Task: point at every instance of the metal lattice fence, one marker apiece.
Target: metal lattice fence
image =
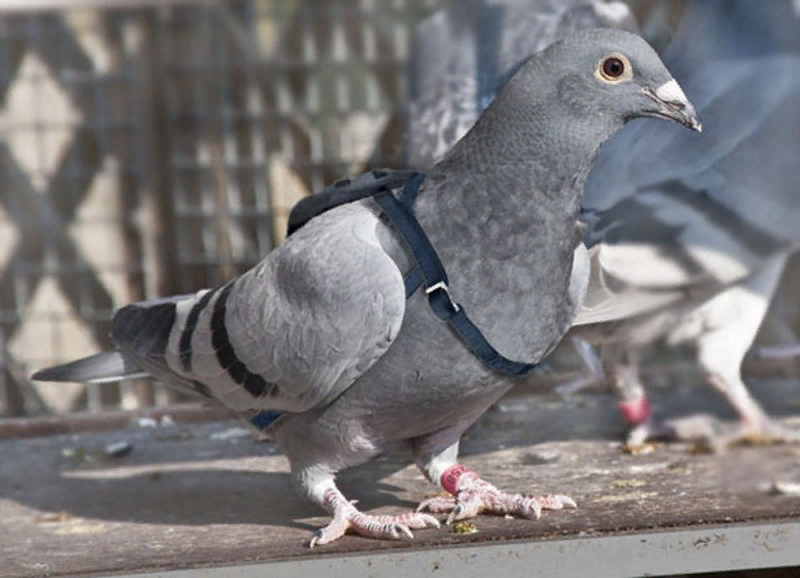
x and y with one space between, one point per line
157 149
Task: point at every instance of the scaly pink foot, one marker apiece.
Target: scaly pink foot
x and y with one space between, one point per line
473 496
347 517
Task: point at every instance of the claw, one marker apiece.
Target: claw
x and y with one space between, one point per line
315 538
427 519
455 514
401 529
567 501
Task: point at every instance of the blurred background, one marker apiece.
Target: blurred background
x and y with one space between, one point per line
153 147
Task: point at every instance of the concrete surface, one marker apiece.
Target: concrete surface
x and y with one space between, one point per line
204 495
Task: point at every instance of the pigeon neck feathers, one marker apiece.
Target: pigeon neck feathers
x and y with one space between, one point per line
501 208
517 176
538 119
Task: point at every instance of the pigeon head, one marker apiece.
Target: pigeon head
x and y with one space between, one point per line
564 102
615 75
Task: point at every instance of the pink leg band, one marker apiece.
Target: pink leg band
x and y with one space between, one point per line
451 475
635 412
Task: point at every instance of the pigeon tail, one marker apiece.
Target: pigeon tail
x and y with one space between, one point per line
106 367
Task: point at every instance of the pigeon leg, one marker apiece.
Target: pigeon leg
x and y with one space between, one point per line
593 375
755 425
473 496
347 517
621 364
721 349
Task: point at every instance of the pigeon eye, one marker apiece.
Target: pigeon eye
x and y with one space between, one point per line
614 68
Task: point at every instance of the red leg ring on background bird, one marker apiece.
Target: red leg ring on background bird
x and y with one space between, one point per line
636 412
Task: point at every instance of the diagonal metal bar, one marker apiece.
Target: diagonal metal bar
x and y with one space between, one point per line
43 227
22 274
12 51
70 184
49 37
43 233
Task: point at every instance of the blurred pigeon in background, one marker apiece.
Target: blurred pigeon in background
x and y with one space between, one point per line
696 255
327 345
459 53
687 244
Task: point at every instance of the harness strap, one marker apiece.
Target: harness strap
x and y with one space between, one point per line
431 273
428 273
263 419
413 280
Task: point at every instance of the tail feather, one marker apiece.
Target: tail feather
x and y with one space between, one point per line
106 367
144 328
141 331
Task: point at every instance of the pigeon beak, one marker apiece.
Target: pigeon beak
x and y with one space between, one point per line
673 105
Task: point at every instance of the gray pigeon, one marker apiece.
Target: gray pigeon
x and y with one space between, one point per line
689 243
321 330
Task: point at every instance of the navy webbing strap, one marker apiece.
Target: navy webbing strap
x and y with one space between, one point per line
431 273
342 192
413 280
263 419
428 273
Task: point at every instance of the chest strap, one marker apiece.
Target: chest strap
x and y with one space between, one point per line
429 273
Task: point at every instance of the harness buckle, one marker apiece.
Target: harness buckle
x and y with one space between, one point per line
442 286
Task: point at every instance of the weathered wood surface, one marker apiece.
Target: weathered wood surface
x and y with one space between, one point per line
186 496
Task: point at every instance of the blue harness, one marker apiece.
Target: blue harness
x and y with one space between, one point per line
428 272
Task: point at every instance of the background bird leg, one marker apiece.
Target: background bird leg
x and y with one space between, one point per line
593 366
621 366
729 323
